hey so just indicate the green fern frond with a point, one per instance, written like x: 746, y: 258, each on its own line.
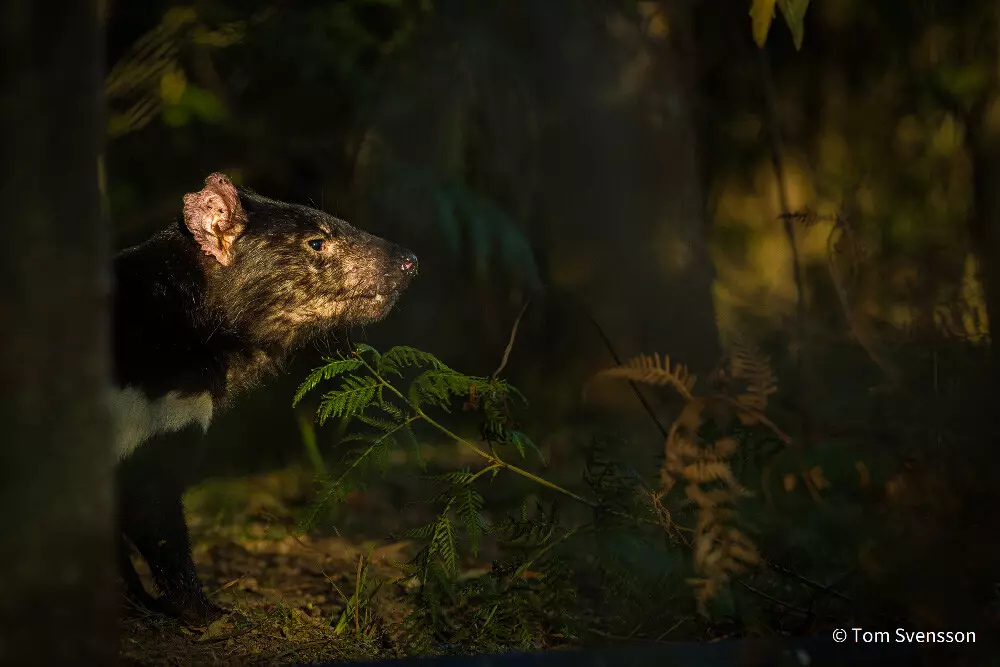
x: 469, y: 507
x: 384, y: 425
x: 522, y: 442
x: 443, y: 545
x: 379, y: 456
x: 438, y: 387
x: 331, y: 369
x: 331, y: 494
x: 411, y: 443
x: 422, y: 532
x: 362, y: 349
x: 355, y: 394
x: 402, y: 356
x: 457, y: 477
x: 394, y: 411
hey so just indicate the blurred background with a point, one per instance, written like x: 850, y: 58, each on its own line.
x: 644, y: 165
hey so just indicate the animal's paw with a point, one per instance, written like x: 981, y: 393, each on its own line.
x: 192, y: 610
x: 135, y: 601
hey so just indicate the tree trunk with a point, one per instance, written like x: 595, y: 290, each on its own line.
x: 57, y: 593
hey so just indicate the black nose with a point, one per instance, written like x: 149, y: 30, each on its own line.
x: 408, y: 264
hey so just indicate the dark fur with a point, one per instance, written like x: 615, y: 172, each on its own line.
x: 186, y: 322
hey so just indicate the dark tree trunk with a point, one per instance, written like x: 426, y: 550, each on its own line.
x: 57, y: 593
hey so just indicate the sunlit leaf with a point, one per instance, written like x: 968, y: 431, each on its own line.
x: 794, y: 12
x: 761, y: 15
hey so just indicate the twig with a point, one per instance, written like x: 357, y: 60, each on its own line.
x: 805, y: 580
x: 510, y: 342
x: 672, y: 628
x: 773, y: 599
x: 618, y: 361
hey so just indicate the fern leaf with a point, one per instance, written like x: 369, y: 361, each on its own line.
x: 421, y: 532
x: 394, y: 411
x: 457, y: 477
x: 434, y: 387
x: 402, y: 356
x: 655, y: 371
x: 361, y: 349
x: 522, y: 442
x: 384, y: 425
x: 355, y: 394
x: 331, y: 494
x: 443, y: 545
x: 413, y: 446
x: 328, y: 371
x: 749, y: 364
x: 469, y: 507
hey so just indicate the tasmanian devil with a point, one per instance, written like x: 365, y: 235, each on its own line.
x: 205, y: 310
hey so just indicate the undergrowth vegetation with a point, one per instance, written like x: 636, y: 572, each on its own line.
x: 623, y: 557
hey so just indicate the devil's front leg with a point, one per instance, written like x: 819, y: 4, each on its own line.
x: 136, y: 595
x: 151, y: 517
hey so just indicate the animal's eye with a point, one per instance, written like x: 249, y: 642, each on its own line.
x: 316, y: 244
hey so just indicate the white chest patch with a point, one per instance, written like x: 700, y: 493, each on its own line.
x: 137, y: 419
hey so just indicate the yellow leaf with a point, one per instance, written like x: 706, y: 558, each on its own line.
x: 761, y: 14
x: 790, y: 481
x: 794, y: 12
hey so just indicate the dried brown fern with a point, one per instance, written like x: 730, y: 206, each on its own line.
x: 720, y: 548
x: 750, y: 367
x: 654, y: 371
x: 703, y: 469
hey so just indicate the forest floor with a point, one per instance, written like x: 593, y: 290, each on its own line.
x: 285, y: 592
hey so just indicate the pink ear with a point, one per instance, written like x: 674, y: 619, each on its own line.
x: 215, y: 217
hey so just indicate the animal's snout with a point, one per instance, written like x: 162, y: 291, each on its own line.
x: 408, y: 263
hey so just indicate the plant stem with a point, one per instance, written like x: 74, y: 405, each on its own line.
x: 498, y: 462
x: 492, y: 458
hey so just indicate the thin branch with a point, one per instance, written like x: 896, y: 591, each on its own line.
x: 805, y: 580
x: 618, y: 361
x: 510, y: 343
x: 774, y: 600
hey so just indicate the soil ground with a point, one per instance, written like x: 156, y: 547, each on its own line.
x: 286, y: 591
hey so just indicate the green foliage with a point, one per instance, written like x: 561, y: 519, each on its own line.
x: 643, y: 543
x: 328, y: 371
x: 358, y: 614
x: 762, y: 14
x: 506, y: 607
x: 528, y: 593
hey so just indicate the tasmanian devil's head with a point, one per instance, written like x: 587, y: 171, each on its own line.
x: 279, y: 274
